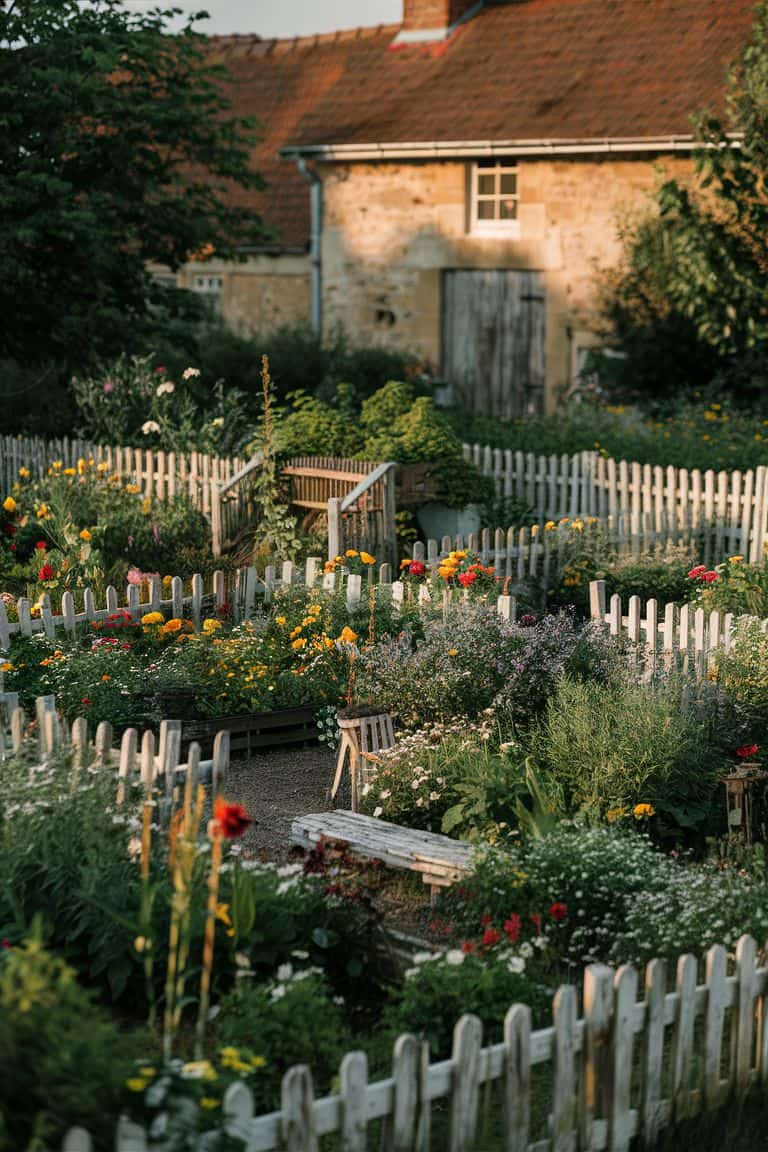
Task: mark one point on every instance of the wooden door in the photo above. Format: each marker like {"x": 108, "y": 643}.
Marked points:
{"x": 493, "y": 341}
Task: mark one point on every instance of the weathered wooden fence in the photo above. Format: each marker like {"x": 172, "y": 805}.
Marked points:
{"x": 637, "y": 1059}
{"x": 138, "y": 759}
{"x": 666, "y": 632}
{"x": 236, "y": 599}
{"x": 732, "y": 506}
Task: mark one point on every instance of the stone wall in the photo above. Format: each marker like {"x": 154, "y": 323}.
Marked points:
{"x": 262, "y": 293}
{"x": 390, "y": 229}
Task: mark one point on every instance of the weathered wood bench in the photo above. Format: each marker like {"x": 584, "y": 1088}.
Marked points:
{"x": 440, "y": 860}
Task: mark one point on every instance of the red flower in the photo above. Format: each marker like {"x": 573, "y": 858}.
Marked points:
{"x": 232, "y": 819}
{"x": 746, "y": 751}
{"x": 512, "y": 928}
{"x": 486, "y": 920}
{"x": 416, "y": 568}
{"x": 41, "y": 545}
{"x": 11, "y": 547}
{"x": 710, "y": 577}
{"x": 10, "y": 529}
{"x": 695, "y": 573}
{"x": 558, "y": 912}
{"x": 86, "y": 701}
{"x": 467, "y": 578}
{"x": 45, "y": 573}
{"x": 160, "y": 369}
{"x": 536, "y": 921}
{"x": 467, "y": 946}
{"x": 490, "y": 937}
{"x": 5, "y": 944}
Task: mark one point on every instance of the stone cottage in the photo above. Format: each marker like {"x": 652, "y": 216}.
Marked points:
{"x": 453, "y": 184}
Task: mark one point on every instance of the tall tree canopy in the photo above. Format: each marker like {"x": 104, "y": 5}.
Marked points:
{"x": 689, "y": 303}
{"x": 117, "y": 147}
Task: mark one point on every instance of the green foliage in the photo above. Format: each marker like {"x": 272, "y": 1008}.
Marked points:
{"x": 742, "y": 673}
{"x": 731, "y": 586}
{"x": 118, "y": 148}
{"x": 313, "y": 427}
{"x": 622, "y": 744}
{"x": 693, "y": 279}
{"x": 277, "y": 531}
{"x": 267, "y": 1015}
{"x": 64, "y": 1061}
{"x": 438, "y": 992}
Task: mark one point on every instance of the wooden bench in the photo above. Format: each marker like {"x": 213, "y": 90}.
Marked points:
{"x": 440, "y": 860}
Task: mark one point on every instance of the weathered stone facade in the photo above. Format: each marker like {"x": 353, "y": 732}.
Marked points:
{"x": 260, "y": 294}
{"x": 390, "y": 230}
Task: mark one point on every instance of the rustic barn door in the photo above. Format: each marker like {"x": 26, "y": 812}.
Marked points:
{"x": 493, "y": 340}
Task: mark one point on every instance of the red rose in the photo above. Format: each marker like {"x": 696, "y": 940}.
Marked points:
{"x": 45, "y": 573}
{"x": 512, "y": 928}
{"x": 558, "y": 912}
{"x": 416, "y": 568}
{"x": 86, "y": 701}
{"x": 746, "y": 751}
{"x": 467, "y": 578}
{"x": 490, "y": 937}
{"x": 710, "y": 577}
{"x": 695, "y": 573}
{"x": 41, "y": 545}
{"x": 467, "y": 946}
{"x": 486, "y": 920}
{"x": 536, "y": 921}
{"x": 232, "y": 819}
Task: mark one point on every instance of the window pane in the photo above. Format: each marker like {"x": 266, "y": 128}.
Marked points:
{"x": 485, "y": 209}
{"x": 507, "y": 209}
{"x": 485, "y": 185}
{"x": 509, "y": 183}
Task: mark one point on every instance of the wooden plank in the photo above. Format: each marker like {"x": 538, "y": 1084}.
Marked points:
{"x": 299, "y": 1133}
{"x": 714, "y": 1087}
{"x": 564, "y": 1099}
{"x": 653, "y": 1052}
{"x": 622, "y": 1121}
{"x": 354, "y": 1105}
{"x": 465, "y": 1095}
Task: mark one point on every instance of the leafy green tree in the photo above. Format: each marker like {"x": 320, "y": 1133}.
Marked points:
{"x": 689, "y": 303}
{"x": 117, "y": 147}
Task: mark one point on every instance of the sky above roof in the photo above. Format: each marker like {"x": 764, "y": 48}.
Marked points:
{"x": 285, "y": 17}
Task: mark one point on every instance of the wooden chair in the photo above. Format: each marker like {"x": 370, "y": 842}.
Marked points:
{"x": 362, "y": 738}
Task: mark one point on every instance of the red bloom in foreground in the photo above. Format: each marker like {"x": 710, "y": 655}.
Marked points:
{"x": 746, "y": 751}
{"x": 536, "y": 921}
{"x": 416, "y": 568}
{"x": 490, "y": 937}
{"x": 558, "y": 911}
{"x": 710, "y": 577}
{"x": 512, "y": 928}
{"x": 45, "y": 573}
{"x": 468, "y": 946}
{"x": 467, "y": 578}
{"x": 696, "y": 572}
{"x": 232, "y": 819}
{"x": 86, "y": 701}
{"x": 41, "y": 546}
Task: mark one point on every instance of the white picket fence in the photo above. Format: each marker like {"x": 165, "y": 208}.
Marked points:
{"x": 638, "y": 1059}
{"x": 667, "y": 633}
{"x": 238, "y": 599}
{"x": 139, "y": 759}
{"x": 731, "y": 507}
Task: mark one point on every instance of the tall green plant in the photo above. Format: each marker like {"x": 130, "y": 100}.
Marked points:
{"x": 277, "y": 534}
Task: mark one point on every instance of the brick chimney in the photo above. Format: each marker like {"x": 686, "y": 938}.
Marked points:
{"x": 428, "y": 19}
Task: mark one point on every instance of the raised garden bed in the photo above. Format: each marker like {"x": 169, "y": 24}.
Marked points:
{"x": 254, "y": 732}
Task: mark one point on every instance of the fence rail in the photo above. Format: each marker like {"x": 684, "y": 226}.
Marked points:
{"x": 733, "y": 504}
{"x": 639, "y": 1058}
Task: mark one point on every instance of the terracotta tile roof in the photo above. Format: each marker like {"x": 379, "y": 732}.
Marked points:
{"x": 530, "y": 70}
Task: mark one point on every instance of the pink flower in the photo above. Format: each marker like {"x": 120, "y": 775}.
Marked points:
{"x": 107, "y": 387}
{"x": 134, "y": 575}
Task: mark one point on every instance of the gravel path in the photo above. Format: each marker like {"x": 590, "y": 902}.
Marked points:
{"x": 277, "y": 787}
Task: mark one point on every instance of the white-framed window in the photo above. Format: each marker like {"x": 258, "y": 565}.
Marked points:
{"x": 494, "y": 196}
{"x": 210, "y": 287}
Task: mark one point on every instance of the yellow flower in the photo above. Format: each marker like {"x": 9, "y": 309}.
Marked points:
{"x": 42, "y": 511}
{"x": 710, "y": 416}
{"x": 294, "y": 632}
{"x": 9, "y": 504}
{"x": 146, "y": 505}
{"x": 7, "y": 667}
{"x": 315, "y": 609}
{"x": 85, "y": 535}
{"x": 640, "y": 811}
{"x": 280, "y": 620}
{"x": 24, "y": 473}
{"x": 199, "y": 1070}
{"x": 147, "y": 1072}
{"x": 347, "y": 636}
{"x": 211, "y": 625}
{"x": 300, "y": 643}
{"x": 446, "y": 571}
{"x": 136, "y": 1084}
{"x": 534, "y": 529}
{"x": 453, "y": 651}
{"x": 351, "y": 552}
{"x": 172, "y": 626}
{"x": 367, "y": 558}
{"x": 258, "y": 1061}
{"x": 70, "y": 472}
{"x": 102, "y": 466}
{"x": 735, "y": 559}
{"x": 222, "y": 914}
{"x": 616, "y": 814}
{"x": 208, "y": 1102}
{"x": 153, "y": 618}
{"x": 549, "y": 526}
{"x": 81, "y": 466}
{"x": 167, "y": 581}
{"x": 578, "y": 525}
{"x": 133, "y": 489}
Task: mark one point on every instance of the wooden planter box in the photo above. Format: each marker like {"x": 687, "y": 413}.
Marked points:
{"x": 254, "y": 732}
